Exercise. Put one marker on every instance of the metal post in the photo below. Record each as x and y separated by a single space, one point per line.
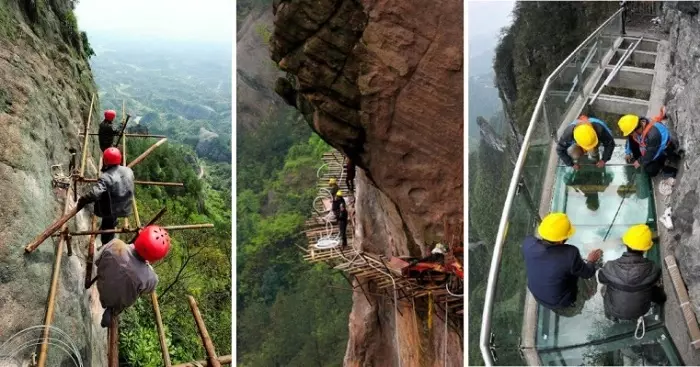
206 340
86 141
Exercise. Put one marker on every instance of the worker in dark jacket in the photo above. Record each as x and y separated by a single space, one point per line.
437 255
650 144
350 174
106 133
553 267
124 272
632 281
333 187
340 211
112 193
586 134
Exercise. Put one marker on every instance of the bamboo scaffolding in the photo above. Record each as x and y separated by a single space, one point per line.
52 228
134 230
113 342
130 135
161 332
224 360
206 340
139 182
85 140
146 153
89 260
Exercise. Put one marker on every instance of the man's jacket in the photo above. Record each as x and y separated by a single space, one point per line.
123 276
632 284
106 134
605 138
650 146
553 271
113 192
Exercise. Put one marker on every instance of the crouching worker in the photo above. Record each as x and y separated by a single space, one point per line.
585 135
112 193
650 144
553 267
437 255
124 272
631 281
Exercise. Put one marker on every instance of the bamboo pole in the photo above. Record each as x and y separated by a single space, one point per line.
206 340
126 220
113 342
161 332
224 360
131 135
134 230
51 300
86 141
91 253
51 229
146 153
138 182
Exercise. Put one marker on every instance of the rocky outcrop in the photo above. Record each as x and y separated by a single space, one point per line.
45 90
683 87
382 81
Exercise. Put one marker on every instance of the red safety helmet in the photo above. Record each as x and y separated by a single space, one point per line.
110 115
152 243
112 157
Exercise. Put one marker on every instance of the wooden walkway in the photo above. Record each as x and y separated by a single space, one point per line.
369 271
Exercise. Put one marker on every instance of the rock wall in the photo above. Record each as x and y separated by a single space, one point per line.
683 87
45 90
382 81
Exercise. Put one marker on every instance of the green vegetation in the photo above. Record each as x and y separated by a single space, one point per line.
264 32
89 52
287 314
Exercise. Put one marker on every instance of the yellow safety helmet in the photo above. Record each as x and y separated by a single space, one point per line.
638 238
586 137
339 193
556 227
628 123
331 181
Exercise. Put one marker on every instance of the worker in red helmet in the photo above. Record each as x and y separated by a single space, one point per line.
107 132
112 193
124 272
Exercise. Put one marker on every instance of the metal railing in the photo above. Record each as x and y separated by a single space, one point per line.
582 58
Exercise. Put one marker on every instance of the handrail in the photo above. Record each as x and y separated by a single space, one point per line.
512 188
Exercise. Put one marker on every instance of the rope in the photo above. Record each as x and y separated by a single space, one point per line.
640 321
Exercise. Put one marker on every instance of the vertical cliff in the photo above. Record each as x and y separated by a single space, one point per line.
45 90
382 81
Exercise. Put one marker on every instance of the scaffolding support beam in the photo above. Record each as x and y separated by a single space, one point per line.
89 260
146 153
206 340
52 229
130 135
139 182
161 330
85 140
224 360
134 230
113 342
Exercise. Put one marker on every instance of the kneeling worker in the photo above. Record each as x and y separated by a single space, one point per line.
632 281
112 193
553 267
586 134
124 272
649 144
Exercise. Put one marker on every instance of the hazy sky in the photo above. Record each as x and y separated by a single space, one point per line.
487 17
202 20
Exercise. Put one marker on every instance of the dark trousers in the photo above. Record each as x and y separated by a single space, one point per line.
349 181
343 226
107 224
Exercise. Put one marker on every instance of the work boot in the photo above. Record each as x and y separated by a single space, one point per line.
106 318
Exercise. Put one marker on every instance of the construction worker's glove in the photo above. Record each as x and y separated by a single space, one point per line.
636 164
600 164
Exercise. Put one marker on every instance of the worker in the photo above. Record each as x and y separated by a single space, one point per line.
124 272
437 255
333 187
632 282
553 267
585 134
350 174
650 144
106 133
112 193
340 211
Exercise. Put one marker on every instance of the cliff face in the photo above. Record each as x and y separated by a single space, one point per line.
381 80
45 90
683 87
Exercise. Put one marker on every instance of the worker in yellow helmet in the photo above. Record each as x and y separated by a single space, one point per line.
553 267
650 144
333 187
340 210
632 282
586 134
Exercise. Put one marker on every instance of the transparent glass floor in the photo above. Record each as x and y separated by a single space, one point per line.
602 204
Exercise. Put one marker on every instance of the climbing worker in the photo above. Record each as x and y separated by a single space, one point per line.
106 133
585 134
349 174
437 255
341 214
333 187
112 193
650 144
632 282
553 267
124 272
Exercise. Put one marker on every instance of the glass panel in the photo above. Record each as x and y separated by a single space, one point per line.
508 309
652 350
592 197
537 159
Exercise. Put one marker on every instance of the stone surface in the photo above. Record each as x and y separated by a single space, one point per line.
45 91
394 105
